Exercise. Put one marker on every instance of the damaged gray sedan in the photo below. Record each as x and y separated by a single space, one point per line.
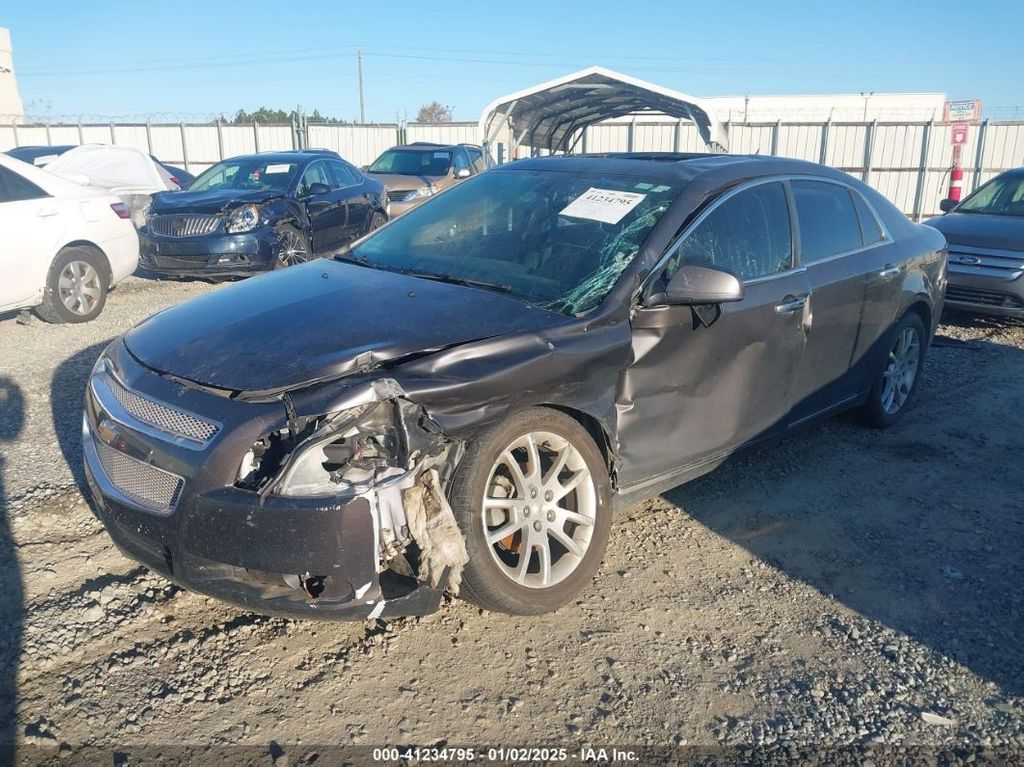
462 399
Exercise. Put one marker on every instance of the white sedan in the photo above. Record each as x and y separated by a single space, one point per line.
62 245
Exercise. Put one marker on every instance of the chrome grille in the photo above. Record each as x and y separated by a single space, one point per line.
171 420
398 195
986 262
146 485
963 295
183 226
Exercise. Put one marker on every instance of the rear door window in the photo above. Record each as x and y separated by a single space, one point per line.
869 225
828 220
748 234
14 187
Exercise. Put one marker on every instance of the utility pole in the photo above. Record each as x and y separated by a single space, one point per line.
866 95
362 104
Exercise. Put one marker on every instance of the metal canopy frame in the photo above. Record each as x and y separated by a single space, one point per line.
554 115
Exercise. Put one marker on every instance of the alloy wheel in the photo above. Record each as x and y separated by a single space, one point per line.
79 287
293 249
539 510
901 370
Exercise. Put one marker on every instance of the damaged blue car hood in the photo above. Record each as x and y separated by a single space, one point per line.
209 201
320 320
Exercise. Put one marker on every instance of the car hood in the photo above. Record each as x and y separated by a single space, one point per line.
982 231
403 181
320 320
209 201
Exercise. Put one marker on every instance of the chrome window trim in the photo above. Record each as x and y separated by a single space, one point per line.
775 275
799 264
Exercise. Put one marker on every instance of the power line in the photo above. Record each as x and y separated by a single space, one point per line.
520 59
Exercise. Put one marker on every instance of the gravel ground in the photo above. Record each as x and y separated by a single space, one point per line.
51 364
843 587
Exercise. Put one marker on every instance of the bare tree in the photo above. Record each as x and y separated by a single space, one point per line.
434 112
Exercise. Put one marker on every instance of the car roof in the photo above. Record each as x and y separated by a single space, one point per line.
676 166
38 150
289 155
426 146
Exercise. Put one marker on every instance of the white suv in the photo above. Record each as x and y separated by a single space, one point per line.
62 246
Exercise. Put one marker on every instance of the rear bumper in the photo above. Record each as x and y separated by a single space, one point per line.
977 294
122 254
216 255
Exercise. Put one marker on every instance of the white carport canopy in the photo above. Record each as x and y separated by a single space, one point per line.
552 115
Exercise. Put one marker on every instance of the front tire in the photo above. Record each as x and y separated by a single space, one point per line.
76 286
898 374
377 220
533 499
292 247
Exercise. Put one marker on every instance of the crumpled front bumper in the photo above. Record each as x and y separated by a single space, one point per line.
212 255
311 558
228 547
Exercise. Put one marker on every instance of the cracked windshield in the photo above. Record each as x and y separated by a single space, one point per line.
551 239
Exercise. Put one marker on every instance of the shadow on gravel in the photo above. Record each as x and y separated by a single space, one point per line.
918 527
12 593
67 390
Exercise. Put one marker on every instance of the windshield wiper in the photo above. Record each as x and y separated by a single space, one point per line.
347 256
466 281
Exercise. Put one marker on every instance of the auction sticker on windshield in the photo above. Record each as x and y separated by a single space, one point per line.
607 205
281 167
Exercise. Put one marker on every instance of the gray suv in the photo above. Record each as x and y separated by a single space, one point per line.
414 172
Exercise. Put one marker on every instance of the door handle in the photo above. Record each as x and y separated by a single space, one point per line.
790 304
890 270
47 212
317 205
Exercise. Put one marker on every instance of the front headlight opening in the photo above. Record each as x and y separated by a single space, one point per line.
141 215
244 219
324 456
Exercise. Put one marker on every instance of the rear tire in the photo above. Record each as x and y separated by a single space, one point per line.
76 286
898 374
555 512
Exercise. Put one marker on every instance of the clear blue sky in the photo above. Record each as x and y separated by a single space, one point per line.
191 60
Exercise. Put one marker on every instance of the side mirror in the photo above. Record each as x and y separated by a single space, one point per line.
694 285
947 205
317 188
462 173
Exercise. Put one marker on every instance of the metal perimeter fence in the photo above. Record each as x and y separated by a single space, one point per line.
908 162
